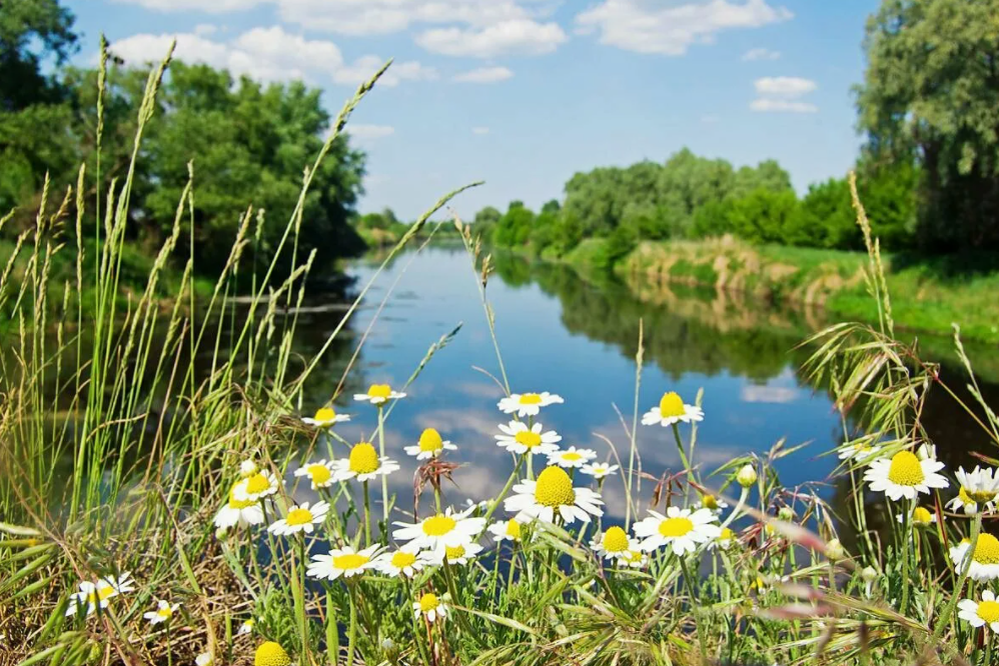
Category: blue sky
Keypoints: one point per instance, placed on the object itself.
(524, 93)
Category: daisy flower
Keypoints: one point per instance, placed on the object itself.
(905, 475)
(670, 410)
(634, 558)
(406, 561)
(163, 613)
(460, 554)
(442, 531)
(301, 518)
(614, 544)
(680, 529)
(984, 559)
(571, 457)
(258, 486)
(379, 394)
(246, 627)
(430, 607)
(430, 445)
(598, 470)
(238, 510)
(344, 562)
(709, 501)
(861, 452)
(506, 529)
(324, 418)
(271, 654)
(985, 612)
(204, 659)
(921, 517)
(725, 540)
(527, 404)
(90, 596)
(518, 438)
(963, 502)
(553, 494)
(980, 486)
(319, 473)
(363, 464)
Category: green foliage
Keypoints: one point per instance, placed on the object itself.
(515, 226)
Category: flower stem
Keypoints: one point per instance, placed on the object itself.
(299, 593)
(352, 630)
(381, 454)
(332, 630)
(695, 606)
(965, 568)
(506, 488)
(367, 514)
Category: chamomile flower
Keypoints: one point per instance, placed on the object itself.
(725, 540)
(613, 544)
(238, 510)
(405, 561)
(91, 596)
(441, 531)
(553, 494)
(271, 654)
(431, 607)
(571, 457)
(430, 445)
(345, 562)
(518, 438)
(379, 394)
(921, 517)
(981, 486)
(681, 530)
(862, 452)
(982, 613)
(527, 404)
(671, 409)
(905, 475)
(319, 473)
(301, 518)
(634, 558)
(163, 613)
(709, 501)
(258, 486)
(204, 659)
(598, 470)
(984, 559)
(248, 468)
(963, 502)
(507, 529)
(325, 418)
(363, 464)
(246, 627)
(459, 554)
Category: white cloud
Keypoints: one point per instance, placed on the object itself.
(647, 27)
(368, 17)
(784, 86)
(483, 75)
(364, 67)
(211, 6)
(480, 130)
(761, 54)
(785, 105)
(516, 37)
(360, 131)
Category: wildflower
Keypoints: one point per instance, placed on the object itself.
(614, 544)
(506, 529)
(964, 502)
(363, 464)
(835, 550)
(785, 513)
(91, 595)
(725, 540)
(344, 562)
(869, 575)
(301, 518)
(379, 394)
(671, 409)
(324, 418)
(163, 613)
(248, 468)
(238, 510)
(204, 659)
(553, 493)
(460, 554)
(598, 470)
(258, 486)
(270, 654)
(527, 404)
(680, 529)
(985, 612)
(571, 457)
(430, 607)
(444, 530)
(634, 558)
(430, 445)
(905, 475)
(984, 559)
(518, 438)
(746, 476)
(860, 451)
(709, 501)
(246, 627)
(980, 486)
(319, 473)
(405, 561)
(921, 517)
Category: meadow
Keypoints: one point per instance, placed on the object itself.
(153, 516)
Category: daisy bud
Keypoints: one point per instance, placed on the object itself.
(835, 550)
(247, 468)
(746, 476)
(786, 514)
(869, 574)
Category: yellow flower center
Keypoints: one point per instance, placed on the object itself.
(438, 525)
(513, 529)
(615, 540)
(431, 441)
(257, 484)
(401, 559)
(102, 593)
(320, 474)
(632, 556)
(527, 438)
(350, 561)
(709, 502)
(554, 488)
(675, 527)
(166, 612)
(905, 469)
(382, 391)
(571, 456)
(299, 517)
(270, 654)
(979, 496)
(325, 415)
(530, 399)
(428, 602)
(363, 459)
(963, 495)
(454, 553)
(671, 405)
(987, 549)
(238, 503)
(726, 534)
(989, 611)
(922, 516)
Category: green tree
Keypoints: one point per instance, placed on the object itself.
(931, 89)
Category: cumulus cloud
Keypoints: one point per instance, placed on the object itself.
(483, 75)
(760, 54)
(360, 131)
(517, 37)
(212, 6)
(364, 67)
(369, 17)
(783, 94)
(646, 27)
